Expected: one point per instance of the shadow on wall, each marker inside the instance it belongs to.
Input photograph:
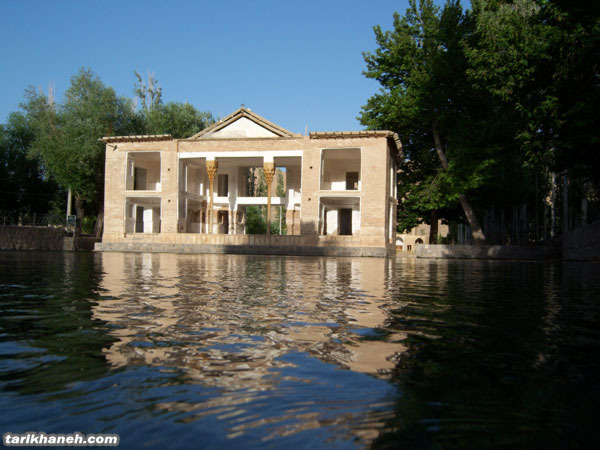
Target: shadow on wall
(309, 228)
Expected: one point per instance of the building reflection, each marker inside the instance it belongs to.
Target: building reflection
(229, 321)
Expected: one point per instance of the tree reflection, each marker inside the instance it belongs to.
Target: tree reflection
(49, 338)
(497, 357)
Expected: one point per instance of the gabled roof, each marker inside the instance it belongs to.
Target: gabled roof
(243, 113)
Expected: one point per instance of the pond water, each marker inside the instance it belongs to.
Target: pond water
(227, 351)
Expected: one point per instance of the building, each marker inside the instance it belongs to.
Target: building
(192, 195)
(408, 242)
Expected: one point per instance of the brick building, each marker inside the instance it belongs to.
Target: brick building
(191, 195)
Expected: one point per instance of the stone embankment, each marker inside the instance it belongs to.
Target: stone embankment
(581, 244)
(488, 252)
(42, 238)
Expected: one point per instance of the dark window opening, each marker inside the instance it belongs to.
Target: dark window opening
(351, 181)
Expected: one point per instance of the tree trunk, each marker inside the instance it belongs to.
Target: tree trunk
(99, 224)
(433, 227)
(584, 205)
(536, 220)
(553, 206)
(79, 213)
(565, 204)
(478, 236)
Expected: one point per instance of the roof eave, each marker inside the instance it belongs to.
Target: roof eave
(392, 137)
(136, 138)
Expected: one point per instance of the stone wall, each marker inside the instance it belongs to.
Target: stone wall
(248, 244)
(488, 252)
(31, 238)
(42, 238)
(583, 243)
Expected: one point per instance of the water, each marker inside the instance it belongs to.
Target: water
(221, 351)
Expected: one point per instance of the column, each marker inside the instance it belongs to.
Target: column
(269, 170)
(211, 169)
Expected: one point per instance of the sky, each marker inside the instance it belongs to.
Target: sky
(299, 64)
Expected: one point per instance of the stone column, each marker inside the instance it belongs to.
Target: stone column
(211, 169)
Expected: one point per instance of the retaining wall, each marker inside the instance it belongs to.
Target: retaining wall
(248, 244)
(31, 238)
(42, 238)
(582, 243)
(488, 252)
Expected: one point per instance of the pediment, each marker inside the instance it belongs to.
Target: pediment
(243, 124)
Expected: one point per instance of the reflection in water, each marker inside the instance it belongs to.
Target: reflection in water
(215, 351)
(238, 322)
(499, 355)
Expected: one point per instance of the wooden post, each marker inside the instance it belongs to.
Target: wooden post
(211, 169)
(269, 170)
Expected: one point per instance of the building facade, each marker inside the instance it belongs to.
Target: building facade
(409, 241)
(193, 195)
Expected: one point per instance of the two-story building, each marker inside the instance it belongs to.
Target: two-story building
(192, 195)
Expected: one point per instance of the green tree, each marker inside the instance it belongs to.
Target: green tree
(180, 120)
(66, 135)
(540, 59)
(255, 222)
(420, 65)
(150, 93)
(25, 185)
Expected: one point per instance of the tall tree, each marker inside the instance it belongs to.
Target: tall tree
(66, 135)
(420, 65)
(25, 186)
(540, 60)
(149, 93)
(181, 120)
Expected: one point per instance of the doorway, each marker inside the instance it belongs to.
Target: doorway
(139, 219)
(345, 221)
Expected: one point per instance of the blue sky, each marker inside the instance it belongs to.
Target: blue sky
(297, 63)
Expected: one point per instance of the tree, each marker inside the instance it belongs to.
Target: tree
(540, 60)
(420, 65)
(66, 135)
(25, 185)
(149, 94)
(180, 120)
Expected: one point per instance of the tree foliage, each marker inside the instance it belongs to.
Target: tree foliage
(424, 97)
(504, 92)
(149, 93)
(180, 120)
(25, 185)
(67, 134)
(55, 145)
